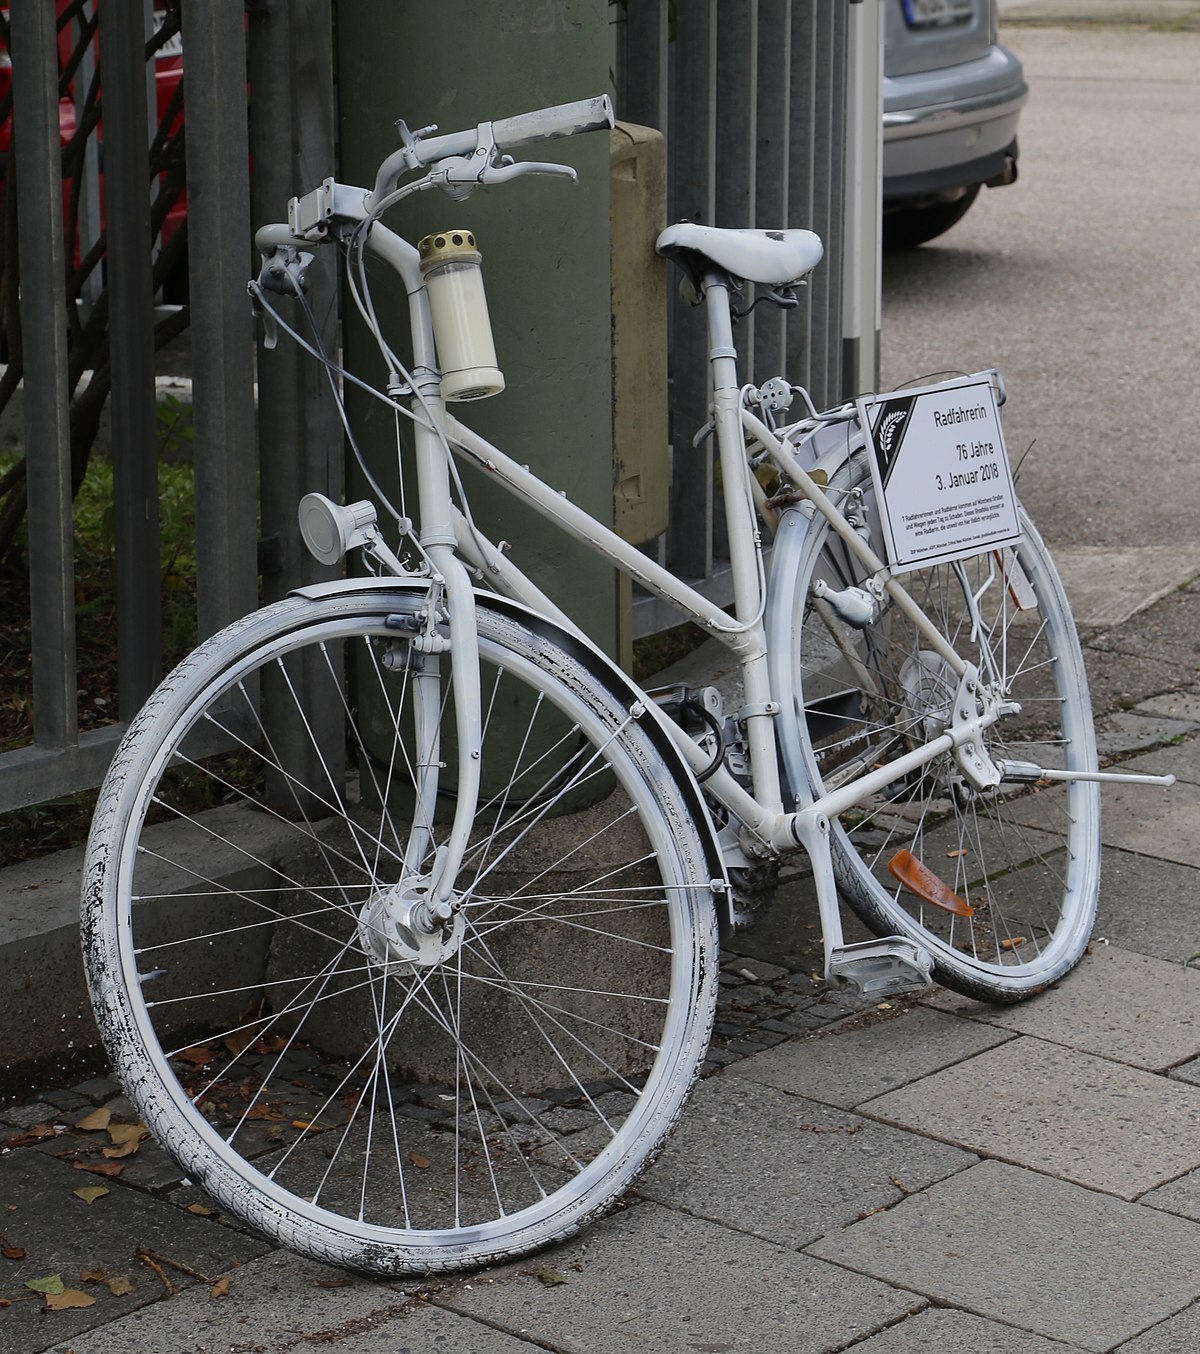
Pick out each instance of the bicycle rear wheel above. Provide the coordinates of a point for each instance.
(374, 1094)
(999, 885)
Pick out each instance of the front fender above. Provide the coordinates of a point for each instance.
(599, 666)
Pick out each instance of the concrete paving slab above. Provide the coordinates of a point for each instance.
(283, 1303)
(1055, 1110)
(1189, 1072)
(851, 1063)
(946, 1331)
(1040, 1254)
(1170, 629)
(1173, 1336)
(1175, 704)
(1180, 1196)
(1181, 760)
(785, 1168)
(61, 1234)
(1128, 731)
(1118, 681)
(1163, 824)
(1148, 905)
(1119, 1004)
(1106, 587)
(651, 1279)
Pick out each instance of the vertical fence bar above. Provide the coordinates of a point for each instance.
(691, 190)
(300, 434)
(773, 93)
(218, 187)
(291, 142)
(89, 197)
(643, 48)
(131, 303)
(37, 166)
(863, 199)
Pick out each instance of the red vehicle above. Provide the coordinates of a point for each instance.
(168, 76)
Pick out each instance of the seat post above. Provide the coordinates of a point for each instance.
(742, 529)
(723, 383)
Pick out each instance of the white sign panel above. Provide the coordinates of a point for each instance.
(941, 473)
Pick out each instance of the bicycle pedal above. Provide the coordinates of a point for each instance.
(882, 968)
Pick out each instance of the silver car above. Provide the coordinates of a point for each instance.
(951, 98)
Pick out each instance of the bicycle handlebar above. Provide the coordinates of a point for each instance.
(524, 129)
(308, 216)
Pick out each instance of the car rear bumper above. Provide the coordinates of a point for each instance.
(927, 185)
(933, 145)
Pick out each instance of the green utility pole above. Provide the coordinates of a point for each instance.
(545, 247)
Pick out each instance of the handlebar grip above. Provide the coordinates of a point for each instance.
(566, 119)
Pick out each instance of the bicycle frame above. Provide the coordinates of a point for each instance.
(445, 534)
(447, 539)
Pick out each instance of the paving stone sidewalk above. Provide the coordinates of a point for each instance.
(921, 1175)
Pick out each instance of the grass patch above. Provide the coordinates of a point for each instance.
(41, 828)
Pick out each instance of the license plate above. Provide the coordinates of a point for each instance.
(936, 13)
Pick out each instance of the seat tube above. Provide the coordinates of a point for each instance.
(742, 529)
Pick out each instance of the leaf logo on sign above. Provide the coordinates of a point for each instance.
(887, 429)
(890, 427)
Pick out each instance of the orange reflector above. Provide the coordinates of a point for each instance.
(921, 880)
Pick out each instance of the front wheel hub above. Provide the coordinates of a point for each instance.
(402, 928)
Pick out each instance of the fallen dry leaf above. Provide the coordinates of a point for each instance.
(96, 1121)
(265, 1112)
(198, 1055)
(38, 1133)
(67, 1299)
(106, 1168)
(127, 1138)
(1012, 942)
(123, 1133)
(95, 1275)
(420, 1160)
(9, 1251)
(49, 1283)
(238, 1042)
(551, 1277)
(219, 1289)
(955, 854)
(90, 1193)
(201, 1210)
(119, 1285)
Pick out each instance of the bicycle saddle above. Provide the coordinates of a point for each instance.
(772, 257)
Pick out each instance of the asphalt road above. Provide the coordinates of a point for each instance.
(1082, 283)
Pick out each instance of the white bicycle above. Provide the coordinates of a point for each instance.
(429, 986)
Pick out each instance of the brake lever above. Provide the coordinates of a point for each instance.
(501, 173)
(460, 175)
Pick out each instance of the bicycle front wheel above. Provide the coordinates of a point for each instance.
(998, 884)
(367, 1084)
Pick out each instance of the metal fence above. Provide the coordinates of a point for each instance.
(751, 95)
(245, 521)
(752, 98)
